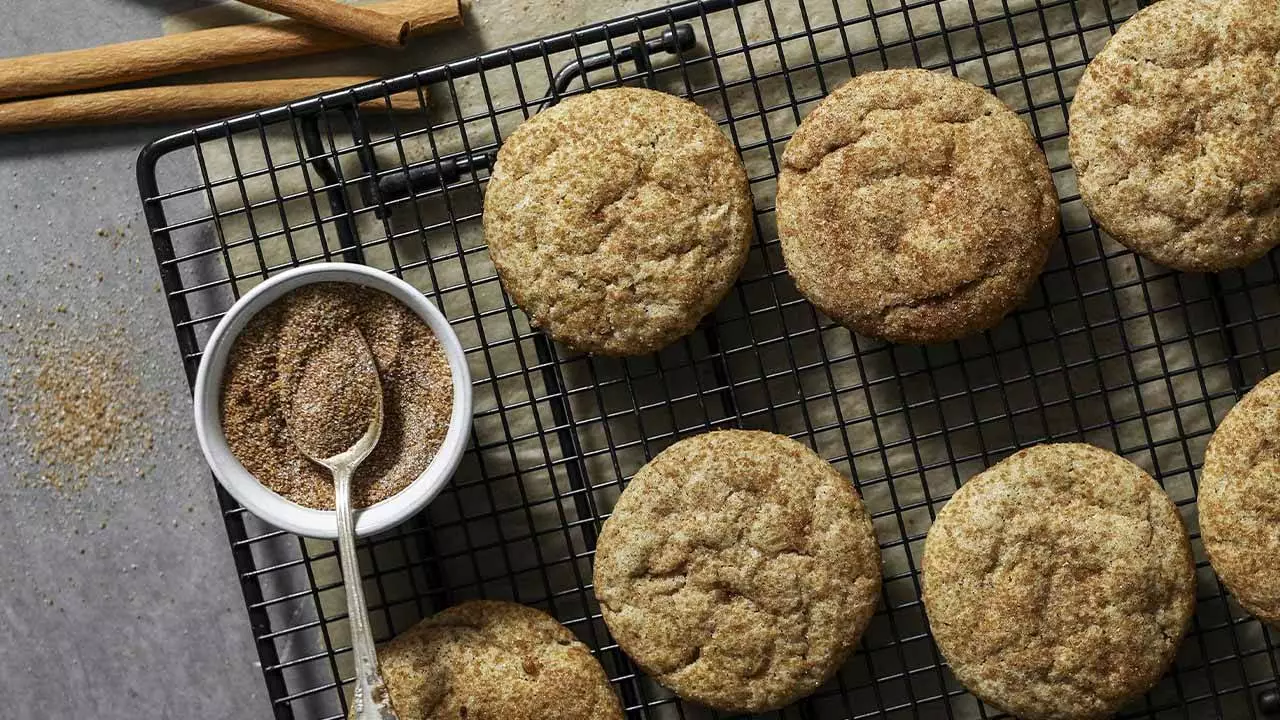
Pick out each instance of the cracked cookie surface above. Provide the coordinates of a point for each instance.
(1059, 582)
(618, 219)
(739, 569)
(1175, 134)
(488, 660)
(1240, 501)
(914, 207)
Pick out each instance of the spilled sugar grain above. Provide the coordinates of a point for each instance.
(76, 409)
(72, 405)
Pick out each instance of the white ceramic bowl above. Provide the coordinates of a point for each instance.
(255, 496)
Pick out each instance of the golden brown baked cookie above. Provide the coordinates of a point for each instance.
(738, 569)
(1175, 133)
(914, 207)
(1240, 501)
(488, 660)
(618, 219)
(1059, 582)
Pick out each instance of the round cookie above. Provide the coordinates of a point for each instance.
(915, 207)
(739, 569)
(1239, 501)
(1175, 133)
(1059, 582)
(618, 219)
(487, 660)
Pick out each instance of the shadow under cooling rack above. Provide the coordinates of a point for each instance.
(1107, 349)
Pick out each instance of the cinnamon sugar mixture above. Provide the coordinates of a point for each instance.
(291, 343)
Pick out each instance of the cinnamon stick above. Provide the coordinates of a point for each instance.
(367, 26)
(178, 102)
(70, 70)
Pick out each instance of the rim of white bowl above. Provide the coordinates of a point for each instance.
(274, 508)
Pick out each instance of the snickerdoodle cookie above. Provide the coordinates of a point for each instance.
(1059, 582)
(487, 660)
(618, 219)
(1240, 501)
(1175, 133)
(914, 207)
(739, 569)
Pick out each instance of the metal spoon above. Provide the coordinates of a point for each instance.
(371, 700)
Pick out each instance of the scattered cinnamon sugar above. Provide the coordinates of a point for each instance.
(76, 407)
(270, 357)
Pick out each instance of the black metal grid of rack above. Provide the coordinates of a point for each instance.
(1107, 349)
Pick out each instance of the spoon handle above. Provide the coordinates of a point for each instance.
(371, 700)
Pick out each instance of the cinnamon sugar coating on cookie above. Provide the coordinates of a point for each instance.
(1175, 133)
(1240, 501)
(1059, 582)
(738, 569)
(915, 207)
(618, 219)
(490, 660)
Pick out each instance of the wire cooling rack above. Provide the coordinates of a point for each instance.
(1107, 349)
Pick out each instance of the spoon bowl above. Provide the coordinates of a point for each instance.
(349, 460)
